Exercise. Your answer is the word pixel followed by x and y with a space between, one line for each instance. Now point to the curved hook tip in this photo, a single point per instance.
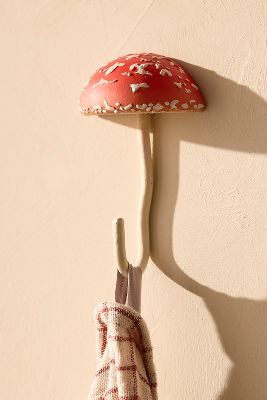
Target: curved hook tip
pixel 119 245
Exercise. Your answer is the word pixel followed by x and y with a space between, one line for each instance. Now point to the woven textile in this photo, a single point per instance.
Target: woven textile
pixel 125 368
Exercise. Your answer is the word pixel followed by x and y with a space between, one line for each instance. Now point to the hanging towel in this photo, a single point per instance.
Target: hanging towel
pixel 125 368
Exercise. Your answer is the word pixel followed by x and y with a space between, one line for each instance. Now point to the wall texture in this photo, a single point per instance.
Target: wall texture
pixel 64 178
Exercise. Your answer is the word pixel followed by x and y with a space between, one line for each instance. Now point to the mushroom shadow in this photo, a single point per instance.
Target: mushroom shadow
pixel 241 323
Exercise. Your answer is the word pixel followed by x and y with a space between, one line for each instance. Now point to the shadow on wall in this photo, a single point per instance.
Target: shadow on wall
pixel 229 123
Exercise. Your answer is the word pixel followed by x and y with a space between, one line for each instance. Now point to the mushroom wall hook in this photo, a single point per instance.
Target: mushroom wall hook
pixel 143 83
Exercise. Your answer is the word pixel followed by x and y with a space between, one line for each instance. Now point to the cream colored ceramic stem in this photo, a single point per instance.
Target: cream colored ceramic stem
pixel 121 260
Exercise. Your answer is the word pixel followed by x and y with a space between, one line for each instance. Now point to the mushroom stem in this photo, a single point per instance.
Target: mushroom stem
pixel 145 202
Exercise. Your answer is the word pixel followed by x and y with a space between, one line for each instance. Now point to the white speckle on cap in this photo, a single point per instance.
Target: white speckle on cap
pixel 184 106
pixel 115 111
pixel 141 68
pixel 117 104
pixel 97 107
pixel 165 71
pixel 107 106
pixel 113 67
pixel 137 86
pixel 128 107
pixel 199 106
pixel 194 86
pixel 158 107
pixel 173 103
pixel 195 106
pixel 148 109
pixel 192 101
pixel 178 84
pixel 187 90
pixel 150 104
pixel 141 107
pixel 167 103
pixel 103 82
pixel 126 73
pixel 171 63
pixel 132 56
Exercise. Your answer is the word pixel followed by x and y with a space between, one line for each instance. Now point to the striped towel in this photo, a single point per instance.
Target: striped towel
pixel 125 368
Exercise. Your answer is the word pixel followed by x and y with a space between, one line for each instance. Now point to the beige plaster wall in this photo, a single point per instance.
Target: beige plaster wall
pixel 64 178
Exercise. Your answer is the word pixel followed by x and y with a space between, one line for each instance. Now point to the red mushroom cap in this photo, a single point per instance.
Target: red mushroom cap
pixel 141 83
